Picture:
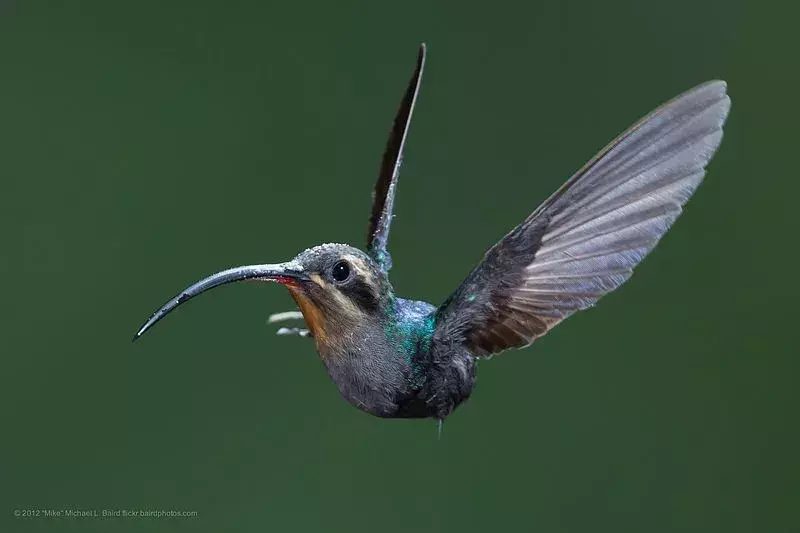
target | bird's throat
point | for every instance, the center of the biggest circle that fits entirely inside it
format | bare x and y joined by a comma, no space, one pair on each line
312,314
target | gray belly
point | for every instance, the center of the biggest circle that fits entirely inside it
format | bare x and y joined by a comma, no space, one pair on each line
387,388
370,383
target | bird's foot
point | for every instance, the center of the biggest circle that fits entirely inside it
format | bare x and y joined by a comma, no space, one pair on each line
289,315
282,317
295,331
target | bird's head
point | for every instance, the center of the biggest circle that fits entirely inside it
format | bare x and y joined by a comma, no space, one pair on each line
344,287
336,287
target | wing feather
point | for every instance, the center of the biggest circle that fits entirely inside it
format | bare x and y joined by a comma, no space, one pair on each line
380,218
584,241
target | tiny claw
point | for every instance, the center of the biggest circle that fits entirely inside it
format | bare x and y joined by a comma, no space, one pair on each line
286,315
294,331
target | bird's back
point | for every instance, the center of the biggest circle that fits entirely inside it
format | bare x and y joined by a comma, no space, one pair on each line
442,375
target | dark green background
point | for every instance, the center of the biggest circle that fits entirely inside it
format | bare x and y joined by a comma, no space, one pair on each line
143,146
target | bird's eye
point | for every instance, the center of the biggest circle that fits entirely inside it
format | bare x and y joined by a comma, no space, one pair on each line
340,271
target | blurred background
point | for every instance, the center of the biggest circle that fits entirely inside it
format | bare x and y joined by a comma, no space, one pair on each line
146,145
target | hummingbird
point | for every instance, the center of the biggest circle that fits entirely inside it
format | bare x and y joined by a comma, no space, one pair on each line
400,358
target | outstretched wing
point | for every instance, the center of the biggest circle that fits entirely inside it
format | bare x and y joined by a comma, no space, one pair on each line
584,241
385,187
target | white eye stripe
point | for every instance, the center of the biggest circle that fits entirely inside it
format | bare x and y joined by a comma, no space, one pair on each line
359,268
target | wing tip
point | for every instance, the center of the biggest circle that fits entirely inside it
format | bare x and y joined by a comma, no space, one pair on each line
721,106
721,90
716,93
714,88
719,86
710,99
422,56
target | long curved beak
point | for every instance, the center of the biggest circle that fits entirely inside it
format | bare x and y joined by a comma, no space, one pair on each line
284,273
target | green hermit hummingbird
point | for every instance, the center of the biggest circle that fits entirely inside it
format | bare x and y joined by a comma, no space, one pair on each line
399,358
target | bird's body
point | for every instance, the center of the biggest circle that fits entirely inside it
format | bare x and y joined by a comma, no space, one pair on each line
399,358
390,369
378,348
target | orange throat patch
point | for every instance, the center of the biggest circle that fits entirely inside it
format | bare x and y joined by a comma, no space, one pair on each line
311,313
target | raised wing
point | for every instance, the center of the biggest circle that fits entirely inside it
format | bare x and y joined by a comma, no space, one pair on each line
385,187
584,241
